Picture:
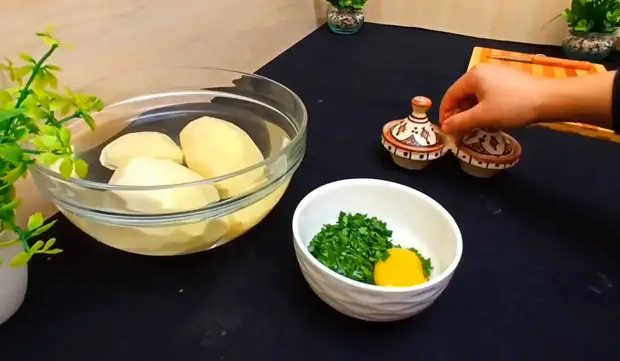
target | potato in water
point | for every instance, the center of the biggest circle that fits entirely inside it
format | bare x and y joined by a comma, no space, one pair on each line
214,147
162,172
140,144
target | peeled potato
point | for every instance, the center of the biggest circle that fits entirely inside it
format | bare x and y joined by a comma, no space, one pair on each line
141,144
246,218
214,147
152,241
162,172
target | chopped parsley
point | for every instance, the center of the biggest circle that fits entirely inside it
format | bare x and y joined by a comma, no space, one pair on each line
353,246
427,265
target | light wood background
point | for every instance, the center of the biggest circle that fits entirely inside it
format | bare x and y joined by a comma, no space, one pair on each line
525,21
115,35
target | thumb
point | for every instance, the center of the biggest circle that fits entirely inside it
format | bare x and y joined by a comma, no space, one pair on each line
465,121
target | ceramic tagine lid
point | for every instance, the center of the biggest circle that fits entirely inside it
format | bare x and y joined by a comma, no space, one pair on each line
483,152
414,141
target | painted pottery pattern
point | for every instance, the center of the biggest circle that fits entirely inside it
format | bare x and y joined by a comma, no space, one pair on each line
408,150
416,132
414,141
489,149
414,137
488,142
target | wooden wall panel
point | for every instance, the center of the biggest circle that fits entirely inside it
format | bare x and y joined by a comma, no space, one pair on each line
522,20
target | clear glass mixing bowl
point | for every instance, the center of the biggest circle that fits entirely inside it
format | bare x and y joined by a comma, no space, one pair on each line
165,100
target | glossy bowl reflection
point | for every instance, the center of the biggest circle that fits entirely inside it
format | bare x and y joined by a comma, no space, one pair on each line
165,101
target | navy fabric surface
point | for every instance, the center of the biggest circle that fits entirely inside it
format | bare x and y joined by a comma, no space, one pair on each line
539,278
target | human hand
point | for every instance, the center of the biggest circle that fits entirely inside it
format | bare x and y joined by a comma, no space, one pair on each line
491,96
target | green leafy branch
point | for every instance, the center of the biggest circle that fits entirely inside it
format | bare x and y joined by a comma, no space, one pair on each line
33,119
348,4
597,16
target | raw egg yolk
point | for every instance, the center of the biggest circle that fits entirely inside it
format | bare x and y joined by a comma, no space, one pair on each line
402,268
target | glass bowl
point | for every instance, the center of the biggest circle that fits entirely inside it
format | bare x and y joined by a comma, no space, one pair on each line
165,100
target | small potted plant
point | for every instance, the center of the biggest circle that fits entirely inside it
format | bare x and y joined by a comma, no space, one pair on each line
33,129
345,16
593,25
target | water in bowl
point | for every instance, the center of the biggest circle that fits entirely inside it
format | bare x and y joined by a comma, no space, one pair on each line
269,129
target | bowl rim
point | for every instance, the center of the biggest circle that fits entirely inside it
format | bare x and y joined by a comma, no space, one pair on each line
267,161
329,187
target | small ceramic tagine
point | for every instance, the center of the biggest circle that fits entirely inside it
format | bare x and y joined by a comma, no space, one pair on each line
484,152
414,141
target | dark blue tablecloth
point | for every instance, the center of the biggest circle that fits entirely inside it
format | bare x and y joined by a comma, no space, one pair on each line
539,278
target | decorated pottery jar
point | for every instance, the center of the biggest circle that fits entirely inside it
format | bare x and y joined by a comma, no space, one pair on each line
484,152
414,141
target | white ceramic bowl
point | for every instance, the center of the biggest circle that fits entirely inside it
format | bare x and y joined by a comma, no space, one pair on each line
416,221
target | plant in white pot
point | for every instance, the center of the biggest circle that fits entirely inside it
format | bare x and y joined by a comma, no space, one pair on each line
592,27
33,129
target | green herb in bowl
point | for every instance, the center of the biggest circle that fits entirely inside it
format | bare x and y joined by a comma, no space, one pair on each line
355,244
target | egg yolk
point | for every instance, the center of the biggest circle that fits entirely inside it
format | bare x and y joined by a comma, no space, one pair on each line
402,268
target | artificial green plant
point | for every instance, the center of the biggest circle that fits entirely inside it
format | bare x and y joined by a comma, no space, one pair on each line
33,129
593,16
348,4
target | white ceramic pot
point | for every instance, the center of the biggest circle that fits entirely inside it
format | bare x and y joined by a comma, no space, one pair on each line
416,221
13,280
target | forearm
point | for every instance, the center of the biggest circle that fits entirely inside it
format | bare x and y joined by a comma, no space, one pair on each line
584,99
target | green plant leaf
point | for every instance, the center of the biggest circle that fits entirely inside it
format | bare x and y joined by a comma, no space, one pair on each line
39,143
44,228
35,221
97,104
50,142
48,129
21,259
8,114
12,153
50,242
5,96
49,41
599,16
53,251
42,97
22,133
36,246
13,175
27,58
89,120
62,106
81,168
48,158
66,168
53,67
52,80
10,206
65,136
31,113
36,113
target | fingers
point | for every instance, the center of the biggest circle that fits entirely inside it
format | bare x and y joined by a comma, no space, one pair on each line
463,90
465,121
